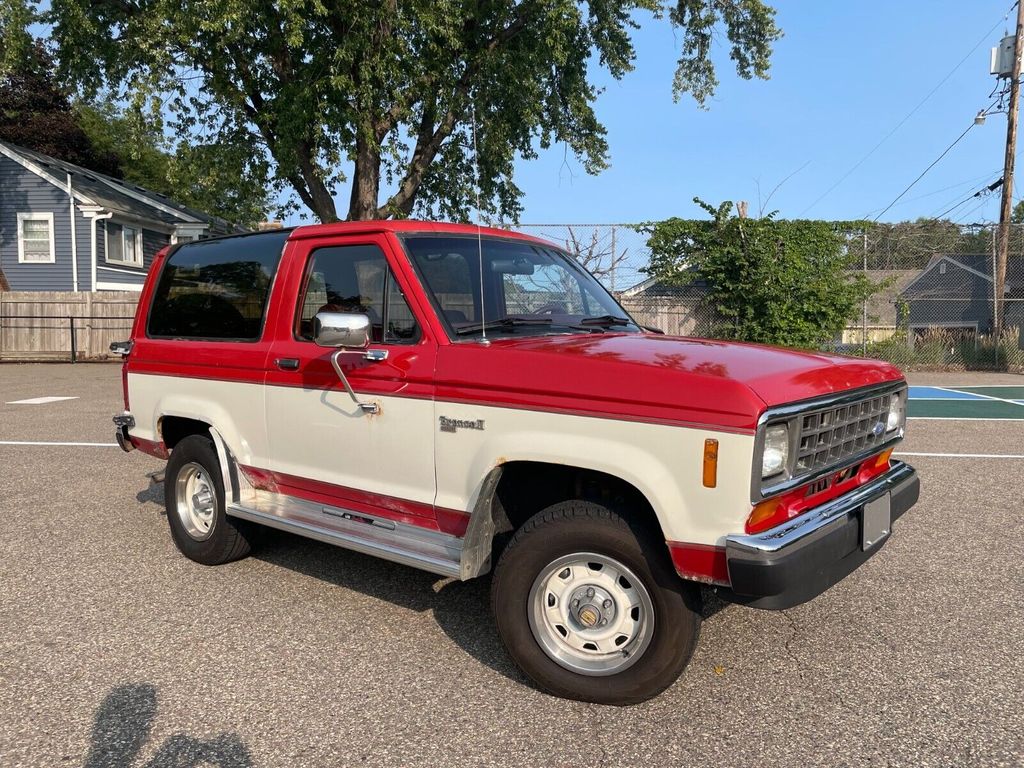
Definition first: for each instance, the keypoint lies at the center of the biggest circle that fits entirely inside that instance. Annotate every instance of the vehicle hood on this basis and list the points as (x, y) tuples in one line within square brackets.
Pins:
[(654, 376)]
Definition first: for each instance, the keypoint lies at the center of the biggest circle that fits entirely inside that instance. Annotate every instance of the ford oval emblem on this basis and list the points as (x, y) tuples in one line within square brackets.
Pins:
[(878, 429)]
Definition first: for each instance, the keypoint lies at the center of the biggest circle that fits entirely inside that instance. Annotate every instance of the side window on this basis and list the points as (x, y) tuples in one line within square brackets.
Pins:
[(35, 238), (355, 278), (216, 289), (449, 277)]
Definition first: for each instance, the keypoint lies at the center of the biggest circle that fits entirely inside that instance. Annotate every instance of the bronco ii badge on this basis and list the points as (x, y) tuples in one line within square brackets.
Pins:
[(453, 425)]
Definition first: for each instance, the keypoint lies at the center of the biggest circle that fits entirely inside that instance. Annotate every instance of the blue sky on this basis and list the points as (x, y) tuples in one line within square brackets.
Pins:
[(842, 78), (844, 75)]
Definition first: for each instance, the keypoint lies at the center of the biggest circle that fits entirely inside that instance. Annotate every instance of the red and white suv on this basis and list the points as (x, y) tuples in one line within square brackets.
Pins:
[(454, 398)]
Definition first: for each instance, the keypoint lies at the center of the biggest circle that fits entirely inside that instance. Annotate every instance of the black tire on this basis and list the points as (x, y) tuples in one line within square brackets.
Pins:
[(227, 538), (577, 526)]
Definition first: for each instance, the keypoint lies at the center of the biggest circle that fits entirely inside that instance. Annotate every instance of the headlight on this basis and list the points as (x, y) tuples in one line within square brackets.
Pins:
[(895, 418), (775, 456)]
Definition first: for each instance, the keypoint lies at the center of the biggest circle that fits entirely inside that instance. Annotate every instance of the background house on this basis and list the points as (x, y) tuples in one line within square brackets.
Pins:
[(66, 228), (955, 294)]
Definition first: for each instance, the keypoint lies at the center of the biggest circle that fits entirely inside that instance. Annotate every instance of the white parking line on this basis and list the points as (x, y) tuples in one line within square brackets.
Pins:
[(978, 394), (39, 400), (75, 445), (957, 418), (963, 455)]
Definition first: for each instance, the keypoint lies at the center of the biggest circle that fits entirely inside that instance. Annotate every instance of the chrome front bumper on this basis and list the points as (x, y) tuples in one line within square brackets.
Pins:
[(800, 559)]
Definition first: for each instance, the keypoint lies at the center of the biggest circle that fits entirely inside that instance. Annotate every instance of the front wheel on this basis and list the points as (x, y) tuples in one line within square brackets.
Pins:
[(589, 607)]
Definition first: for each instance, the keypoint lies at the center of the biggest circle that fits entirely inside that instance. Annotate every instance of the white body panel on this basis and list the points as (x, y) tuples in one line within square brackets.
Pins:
[(663, 462), (323, 435), (235, 409), (401, 451)]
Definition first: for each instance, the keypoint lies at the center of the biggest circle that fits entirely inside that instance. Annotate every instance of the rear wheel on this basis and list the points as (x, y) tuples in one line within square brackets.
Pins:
[(590, 608), (194, 498)]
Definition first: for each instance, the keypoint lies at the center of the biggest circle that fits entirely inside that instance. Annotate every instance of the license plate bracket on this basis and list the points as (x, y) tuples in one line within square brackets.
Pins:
[(876, 521)]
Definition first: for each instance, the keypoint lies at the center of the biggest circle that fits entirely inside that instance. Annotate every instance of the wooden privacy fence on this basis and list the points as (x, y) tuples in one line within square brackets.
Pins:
[(60, 325)]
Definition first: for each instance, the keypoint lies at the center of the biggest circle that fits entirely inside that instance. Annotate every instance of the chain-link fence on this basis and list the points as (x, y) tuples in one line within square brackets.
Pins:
[(934, 306)]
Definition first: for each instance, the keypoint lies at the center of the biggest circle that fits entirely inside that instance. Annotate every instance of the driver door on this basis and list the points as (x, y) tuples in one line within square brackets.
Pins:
[(324, 447)]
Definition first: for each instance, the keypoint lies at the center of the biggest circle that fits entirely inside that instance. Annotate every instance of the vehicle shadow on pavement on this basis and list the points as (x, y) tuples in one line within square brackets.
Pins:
[(461, 608), (122, 727), (152, 494)]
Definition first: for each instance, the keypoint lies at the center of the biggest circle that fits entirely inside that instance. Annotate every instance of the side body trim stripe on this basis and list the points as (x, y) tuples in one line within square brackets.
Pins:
[(450, 521)]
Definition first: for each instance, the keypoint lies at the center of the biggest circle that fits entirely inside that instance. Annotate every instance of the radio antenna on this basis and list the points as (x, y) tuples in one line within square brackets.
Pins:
[(479, 233)]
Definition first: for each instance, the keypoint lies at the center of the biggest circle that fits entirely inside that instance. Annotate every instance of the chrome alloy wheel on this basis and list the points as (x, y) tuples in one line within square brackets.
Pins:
[(591, 614), (196, 499)]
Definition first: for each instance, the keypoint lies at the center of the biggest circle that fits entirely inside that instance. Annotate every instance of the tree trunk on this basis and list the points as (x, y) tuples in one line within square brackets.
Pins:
[(365, 179), (313, 190), (323, 202)]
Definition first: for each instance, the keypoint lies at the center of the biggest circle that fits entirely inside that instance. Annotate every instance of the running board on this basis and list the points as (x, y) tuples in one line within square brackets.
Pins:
[(410, 545)]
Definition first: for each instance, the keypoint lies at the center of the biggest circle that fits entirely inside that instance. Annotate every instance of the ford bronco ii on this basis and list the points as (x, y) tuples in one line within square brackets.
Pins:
[(468, 400)]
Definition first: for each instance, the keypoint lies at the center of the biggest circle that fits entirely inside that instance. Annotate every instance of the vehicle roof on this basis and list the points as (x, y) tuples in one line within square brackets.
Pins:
[(408, 226)]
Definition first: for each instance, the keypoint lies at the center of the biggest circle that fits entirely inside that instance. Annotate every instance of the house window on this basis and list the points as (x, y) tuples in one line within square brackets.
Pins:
[(124, 245), (35, 238)]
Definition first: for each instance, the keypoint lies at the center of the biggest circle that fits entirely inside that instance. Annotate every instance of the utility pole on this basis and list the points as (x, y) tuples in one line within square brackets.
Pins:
[(1006, 206)]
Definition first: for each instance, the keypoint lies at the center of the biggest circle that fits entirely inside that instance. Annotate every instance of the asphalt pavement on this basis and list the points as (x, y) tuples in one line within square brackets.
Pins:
[(117, 651)]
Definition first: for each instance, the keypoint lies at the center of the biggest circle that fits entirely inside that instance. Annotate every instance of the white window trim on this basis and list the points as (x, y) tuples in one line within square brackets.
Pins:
[(22, 217), (138, 244)]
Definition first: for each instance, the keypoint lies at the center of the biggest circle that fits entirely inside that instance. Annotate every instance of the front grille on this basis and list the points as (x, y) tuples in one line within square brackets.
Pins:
[(830, 435)]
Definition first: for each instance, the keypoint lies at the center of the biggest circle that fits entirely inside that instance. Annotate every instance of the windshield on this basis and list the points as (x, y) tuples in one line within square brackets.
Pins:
[(528, 289)]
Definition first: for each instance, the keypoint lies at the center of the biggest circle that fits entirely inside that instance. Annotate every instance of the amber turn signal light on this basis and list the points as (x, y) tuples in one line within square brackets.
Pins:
[(710, 463), (883, 458), (764, 516)]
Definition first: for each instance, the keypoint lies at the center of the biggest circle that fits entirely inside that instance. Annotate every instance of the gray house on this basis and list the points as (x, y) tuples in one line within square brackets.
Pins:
[(66, 228), (955, 293)]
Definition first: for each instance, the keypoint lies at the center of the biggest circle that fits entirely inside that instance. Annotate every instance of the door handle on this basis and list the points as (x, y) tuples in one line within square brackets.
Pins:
[(287, 363), (376, 355)]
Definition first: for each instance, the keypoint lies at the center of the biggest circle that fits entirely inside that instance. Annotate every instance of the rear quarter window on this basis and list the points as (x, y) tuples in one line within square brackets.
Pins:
[(216, 289)]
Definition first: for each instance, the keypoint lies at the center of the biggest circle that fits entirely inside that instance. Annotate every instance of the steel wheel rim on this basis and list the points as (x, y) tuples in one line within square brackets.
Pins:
[(196, 501), (591, 614)]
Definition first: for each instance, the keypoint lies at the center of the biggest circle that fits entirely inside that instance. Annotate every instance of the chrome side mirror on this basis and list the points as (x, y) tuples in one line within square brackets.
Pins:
[(341, 329)]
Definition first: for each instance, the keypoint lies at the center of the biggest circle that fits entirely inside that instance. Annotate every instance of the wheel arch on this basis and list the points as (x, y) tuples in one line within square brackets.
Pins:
[(179, 417), (513, 490)]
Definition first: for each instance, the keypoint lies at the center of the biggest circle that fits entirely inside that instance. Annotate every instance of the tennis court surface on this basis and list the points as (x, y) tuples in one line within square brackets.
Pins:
[(996, 401)]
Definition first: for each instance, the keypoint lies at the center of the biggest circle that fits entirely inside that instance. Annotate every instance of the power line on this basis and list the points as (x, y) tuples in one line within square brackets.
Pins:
[(980, 193), (910, 114), (946, 203), (971, 181), (962, 217), (921, 176)]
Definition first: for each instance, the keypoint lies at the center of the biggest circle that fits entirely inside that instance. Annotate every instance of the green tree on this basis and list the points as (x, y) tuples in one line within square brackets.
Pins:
[(37, 115), (226, 177), (913, 244), (1017, 216), (773, 281), (384, 93)]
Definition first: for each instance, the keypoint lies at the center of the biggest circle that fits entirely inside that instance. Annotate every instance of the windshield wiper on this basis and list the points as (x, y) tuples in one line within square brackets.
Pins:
[(605, 321), (502, 322)]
